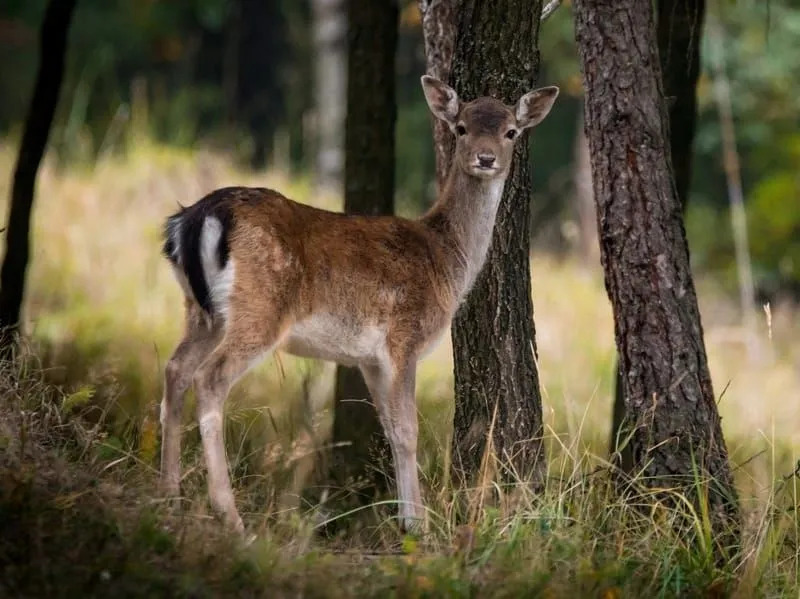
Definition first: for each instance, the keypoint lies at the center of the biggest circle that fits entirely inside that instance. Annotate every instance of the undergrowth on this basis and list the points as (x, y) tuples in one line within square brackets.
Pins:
[(81, 517)]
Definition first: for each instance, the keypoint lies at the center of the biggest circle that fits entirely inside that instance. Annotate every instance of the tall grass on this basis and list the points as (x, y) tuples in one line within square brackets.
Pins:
[(82, 517), (104, 313)]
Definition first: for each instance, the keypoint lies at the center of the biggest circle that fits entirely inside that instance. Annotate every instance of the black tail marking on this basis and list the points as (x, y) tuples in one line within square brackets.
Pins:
[(183, 232)]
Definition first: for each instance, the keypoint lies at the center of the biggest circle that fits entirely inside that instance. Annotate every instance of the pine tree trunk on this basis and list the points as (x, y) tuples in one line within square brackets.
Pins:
[(369, 189), (52, 44), (677, 438), (679, 31), (496, 379)]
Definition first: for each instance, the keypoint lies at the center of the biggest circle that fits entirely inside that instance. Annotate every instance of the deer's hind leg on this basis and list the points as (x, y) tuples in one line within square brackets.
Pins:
[(198, 342), (247, 338)]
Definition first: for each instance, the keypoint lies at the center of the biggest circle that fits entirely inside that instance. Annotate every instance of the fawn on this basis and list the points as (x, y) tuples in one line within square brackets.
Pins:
[(261, 273)]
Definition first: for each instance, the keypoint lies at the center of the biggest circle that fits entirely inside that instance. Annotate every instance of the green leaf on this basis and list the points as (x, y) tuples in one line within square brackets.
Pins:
[(409, 545), (78, 399)]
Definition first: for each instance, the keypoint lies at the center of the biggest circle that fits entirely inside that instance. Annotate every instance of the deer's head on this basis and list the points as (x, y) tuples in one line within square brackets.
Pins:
[(486, 129)]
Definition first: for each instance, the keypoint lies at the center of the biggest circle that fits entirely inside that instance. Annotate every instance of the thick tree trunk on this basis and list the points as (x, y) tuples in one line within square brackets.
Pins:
[(677, 439), (52, 44), (369, 189), (679, 32), (496, 380), (330, 90)]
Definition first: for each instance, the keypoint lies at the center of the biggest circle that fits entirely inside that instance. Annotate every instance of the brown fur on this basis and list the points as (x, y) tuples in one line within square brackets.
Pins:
[(375, 292)]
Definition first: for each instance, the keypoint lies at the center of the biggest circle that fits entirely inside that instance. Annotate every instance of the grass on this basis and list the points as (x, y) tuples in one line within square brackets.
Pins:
[(80, 437)]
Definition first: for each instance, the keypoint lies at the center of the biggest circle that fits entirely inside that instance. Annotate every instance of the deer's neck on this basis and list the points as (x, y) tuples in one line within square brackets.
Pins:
[(464, 217)]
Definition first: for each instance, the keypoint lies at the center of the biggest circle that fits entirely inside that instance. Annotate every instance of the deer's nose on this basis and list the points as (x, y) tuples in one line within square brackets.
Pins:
[(486, 159)]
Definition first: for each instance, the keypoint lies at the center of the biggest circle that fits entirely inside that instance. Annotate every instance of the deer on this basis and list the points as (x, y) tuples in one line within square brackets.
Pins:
[(262, 273)]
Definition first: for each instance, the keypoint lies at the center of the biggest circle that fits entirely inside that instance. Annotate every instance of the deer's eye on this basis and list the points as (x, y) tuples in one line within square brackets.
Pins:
[(461, 130), (511, 134)]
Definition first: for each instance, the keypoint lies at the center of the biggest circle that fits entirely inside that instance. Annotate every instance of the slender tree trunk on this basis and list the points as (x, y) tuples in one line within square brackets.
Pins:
[(53, 45), (584, 198), (679, 32), (261, 55), (330, 90), (230, 62), (439, 21), (733, 175), (677, 440), (496, 379), (369, 189)]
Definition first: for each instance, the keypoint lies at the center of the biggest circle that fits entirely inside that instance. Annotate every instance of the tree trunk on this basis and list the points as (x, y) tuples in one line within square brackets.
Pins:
[(261, 53), (369, 189), (330, 91), (733, 176), (584, 198), (439, 20), (677, 439), (679, 32), (52, 44), (496, 380)]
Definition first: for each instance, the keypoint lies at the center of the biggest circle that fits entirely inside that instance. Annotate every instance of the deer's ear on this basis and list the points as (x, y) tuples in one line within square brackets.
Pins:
[(534, 106), (442, 99)]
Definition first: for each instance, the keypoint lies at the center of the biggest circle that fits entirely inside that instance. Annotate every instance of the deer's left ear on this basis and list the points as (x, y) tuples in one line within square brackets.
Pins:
[(534, 106)]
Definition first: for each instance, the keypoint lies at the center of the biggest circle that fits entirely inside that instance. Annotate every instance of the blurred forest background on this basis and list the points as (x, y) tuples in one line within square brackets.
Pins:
[(164, 101), (263, 82)]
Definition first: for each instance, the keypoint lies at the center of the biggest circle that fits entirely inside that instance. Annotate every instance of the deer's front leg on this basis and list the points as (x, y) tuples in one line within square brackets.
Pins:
[(392, 389)]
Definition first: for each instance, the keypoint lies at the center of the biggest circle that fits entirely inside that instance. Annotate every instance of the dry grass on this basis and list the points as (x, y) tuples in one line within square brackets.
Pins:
[(104, 313), (82, 517)]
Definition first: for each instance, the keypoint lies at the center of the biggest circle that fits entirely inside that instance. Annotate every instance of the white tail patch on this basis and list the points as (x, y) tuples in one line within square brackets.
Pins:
[(219, 280)]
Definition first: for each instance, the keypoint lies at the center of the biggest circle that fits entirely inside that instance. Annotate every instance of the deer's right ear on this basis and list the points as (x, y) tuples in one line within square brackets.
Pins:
[(534, 106), (442, 99)]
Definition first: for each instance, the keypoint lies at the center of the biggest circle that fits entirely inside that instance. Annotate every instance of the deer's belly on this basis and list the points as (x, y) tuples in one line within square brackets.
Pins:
[(327, 337)]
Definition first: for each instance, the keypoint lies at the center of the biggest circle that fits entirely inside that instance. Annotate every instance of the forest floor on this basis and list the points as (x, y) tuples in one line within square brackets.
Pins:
[(79, 508)]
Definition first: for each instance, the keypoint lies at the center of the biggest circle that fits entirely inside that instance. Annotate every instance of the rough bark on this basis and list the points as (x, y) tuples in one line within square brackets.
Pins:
[(496, 379), (369, 189), (52, 45), (679, 30), (439, 20), (677, 440)]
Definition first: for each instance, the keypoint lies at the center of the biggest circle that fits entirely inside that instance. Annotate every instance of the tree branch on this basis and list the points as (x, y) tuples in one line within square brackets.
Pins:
[(549, 9)]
